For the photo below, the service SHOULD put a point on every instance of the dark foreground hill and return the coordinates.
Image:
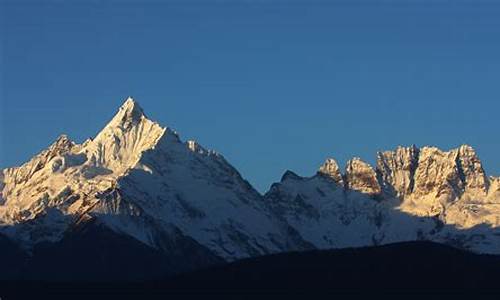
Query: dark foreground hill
(413, 267)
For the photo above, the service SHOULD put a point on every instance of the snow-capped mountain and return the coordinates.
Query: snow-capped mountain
(412, 194)
(137, 179)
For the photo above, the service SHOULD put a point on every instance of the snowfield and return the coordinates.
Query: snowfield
(139, 179)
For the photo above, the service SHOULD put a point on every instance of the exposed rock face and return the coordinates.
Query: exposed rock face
(331, 169)
(442, 178)
(139, 180)
(494, 189)
(430, 172)
(437, 175)
(25, 172)
(361, 177)
(397, 170)
(471, 171)
(422, 193)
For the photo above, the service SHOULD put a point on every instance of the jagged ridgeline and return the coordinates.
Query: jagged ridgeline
(138, 183)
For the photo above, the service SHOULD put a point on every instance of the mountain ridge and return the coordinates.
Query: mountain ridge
(141, 181)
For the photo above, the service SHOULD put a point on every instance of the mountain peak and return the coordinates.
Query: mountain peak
(360, 176)
(62, 139)
(129, 112)
(331, 169)
(139, 180)
(466, 149)
(120, 144)
(129, 102)
(129, 115)
(397, 169)
(62, 143)
(290, 175)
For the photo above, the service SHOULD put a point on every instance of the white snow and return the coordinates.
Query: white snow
(140, 179)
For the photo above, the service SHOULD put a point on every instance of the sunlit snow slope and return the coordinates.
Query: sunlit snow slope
(138, 179)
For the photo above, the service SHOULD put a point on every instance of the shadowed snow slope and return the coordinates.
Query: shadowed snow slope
(412, 194)
(139, 181)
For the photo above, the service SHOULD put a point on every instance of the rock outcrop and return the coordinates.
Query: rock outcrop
(361, 177)
(397, 170)
(331, 170)
(139, 181)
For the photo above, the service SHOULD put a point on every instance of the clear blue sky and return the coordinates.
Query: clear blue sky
(270, 86)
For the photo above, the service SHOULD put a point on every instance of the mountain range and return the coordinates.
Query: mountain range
(137, 202)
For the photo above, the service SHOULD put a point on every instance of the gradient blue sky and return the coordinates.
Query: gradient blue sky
(271, 86)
